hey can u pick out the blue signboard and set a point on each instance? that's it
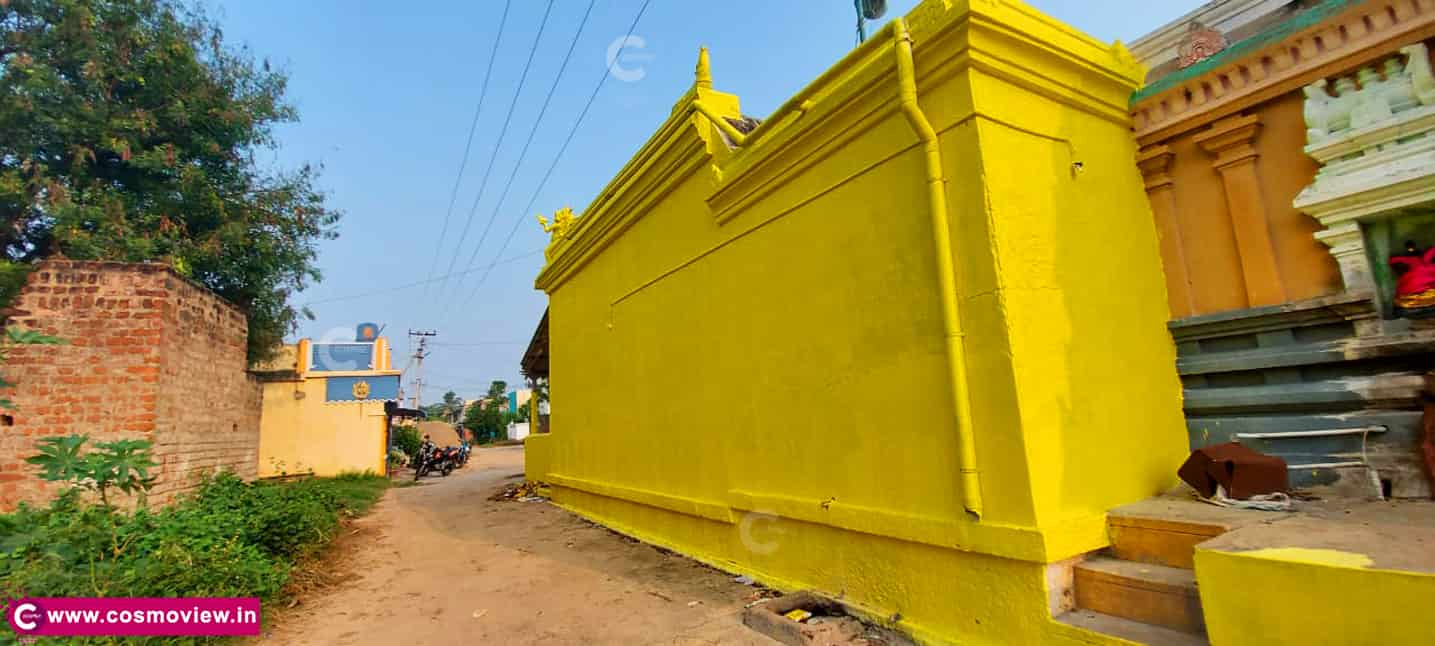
(339, 357)
(365, 388)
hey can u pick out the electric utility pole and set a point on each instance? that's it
(419, 354)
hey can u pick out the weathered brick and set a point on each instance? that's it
(149, 355)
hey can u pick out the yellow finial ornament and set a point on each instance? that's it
(705, 70)
(558, 229)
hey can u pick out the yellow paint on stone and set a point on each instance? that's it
(770, 318)
(1314, 556)
(1292, 595)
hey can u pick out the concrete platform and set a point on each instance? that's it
(1341, 573)
(1335, 571)
(1180, 507)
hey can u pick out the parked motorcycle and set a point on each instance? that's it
(442, 460)
(450, 459)
(432, 458)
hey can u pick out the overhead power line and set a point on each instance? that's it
(523, 154)
(556, 158)
(468, 145)
(502, 133)
(417, 283)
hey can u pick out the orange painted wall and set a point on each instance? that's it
(1209, 244)
(1306, 264)
(1205, 250)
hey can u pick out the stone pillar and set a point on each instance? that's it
(1347, 246)
(1155, 165)
(1231, 141)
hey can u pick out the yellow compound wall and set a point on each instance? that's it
(747, 346)
(301, 432)
(309, 435)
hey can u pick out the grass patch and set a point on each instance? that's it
(354, 493)
(229, 538)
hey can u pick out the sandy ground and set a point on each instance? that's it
(441, 564)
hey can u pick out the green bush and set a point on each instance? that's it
(12, 280)
(229, 538)
(407, 439)
(120, 465)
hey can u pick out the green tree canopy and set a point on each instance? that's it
(447, 410)
(130, 131)
(488, 419)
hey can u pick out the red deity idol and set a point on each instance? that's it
(1415, 286)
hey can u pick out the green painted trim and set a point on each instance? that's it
(1239, 50)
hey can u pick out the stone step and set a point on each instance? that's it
(1297, 354)
(1394, 391)
(1159, 541)
(1165, 530)
(1133, 631)
(1152, 594)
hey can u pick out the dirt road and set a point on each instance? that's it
(441, 564)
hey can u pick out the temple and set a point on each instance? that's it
(933, 339)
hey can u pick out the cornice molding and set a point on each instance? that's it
(681, 146)
(1245, 74)
(1004, 39)
(1160, 46)
(1231, 140)
(1155, 166)
(999, 38)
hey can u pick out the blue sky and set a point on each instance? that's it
(386, 92)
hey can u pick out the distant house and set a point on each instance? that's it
(324, 409)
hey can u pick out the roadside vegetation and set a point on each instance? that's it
(488, 419)
(407, 439)
(229, 538)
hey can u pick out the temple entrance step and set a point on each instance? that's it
(1129, 630)
(1152, 594)
(1165, 531)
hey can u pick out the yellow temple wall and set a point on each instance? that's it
(771, 319)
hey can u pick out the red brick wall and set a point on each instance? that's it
(208, 408)
(148, 355)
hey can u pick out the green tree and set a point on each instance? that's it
(488, 419)
(452, 406)
(130, 131)
(448, 410)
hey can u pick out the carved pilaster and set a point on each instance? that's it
(1232, 142)
(1155, 164)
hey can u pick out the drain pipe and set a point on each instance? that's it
(722, 124)
(941, 229)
